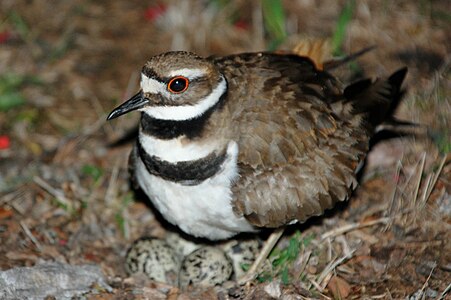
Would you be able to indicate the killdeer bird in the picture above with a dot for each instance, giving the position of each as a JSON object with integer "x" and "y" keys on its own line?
{"x": 232, "y": 144}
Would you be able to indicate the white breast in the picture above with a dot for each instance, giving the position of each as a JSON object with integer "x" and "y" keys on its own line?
{"x": 202, "y": 210}
{"x": 174, "y": 150}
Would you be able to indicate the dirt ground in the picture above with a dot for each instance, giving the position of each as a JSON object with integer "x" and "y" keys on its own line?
{"x": 64, "y": 189}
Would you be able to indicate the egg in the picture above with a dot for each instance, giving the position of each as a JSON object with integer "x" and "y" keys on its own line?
{"x": 182, "y": 245}
{"x": 242, "y": 253}
{"x": 155, "y": 258}
{"x": 206, "y": 266}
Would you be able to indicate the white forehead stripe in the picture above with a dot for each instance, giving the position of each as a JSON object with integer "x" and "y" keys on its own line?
{"x": 188, "y": 73}
{"x": 150, "y": 85}
{"x": 186, "y": 112}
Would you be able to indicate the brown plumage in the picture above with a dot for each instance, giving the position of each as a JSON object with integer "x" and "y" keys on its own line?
{"x": 301, "y": 139}
{"x": 301, "y": 136}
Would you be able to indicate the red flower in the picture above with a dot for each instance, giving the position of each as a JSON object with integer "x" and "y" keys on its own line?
{"x": 153, "y": 12}
{"x": 4, "y": 36}
{"x": 4, "y": 142}
{"x": 241, "y": 24}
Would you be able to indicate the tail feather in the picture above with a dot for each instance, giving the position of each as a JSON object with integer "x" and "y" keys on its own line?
{"x": 396, "y": 80}
{"x": 376, "y": 100}
{"x": 340, "y": 61}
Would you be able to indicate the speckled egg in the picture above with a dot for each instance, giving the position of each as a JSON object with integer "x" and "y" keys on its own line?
{"x": 182, "y": 245}
{"x": 207, "y": 266}
{"x": 155, "y": 258}
{"x": 241, "y": 252}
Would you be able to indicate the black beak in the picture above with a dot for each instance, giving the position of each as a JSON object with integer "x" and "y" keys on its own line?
{"x": 135, "y": 102}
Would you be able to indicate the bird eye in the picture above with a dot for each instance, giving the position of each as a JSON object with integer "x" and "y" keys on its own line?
{"x": 178, "y": 84}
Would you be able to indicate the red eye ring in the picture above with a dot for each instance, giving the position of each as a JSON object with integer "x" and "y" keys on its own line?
{"x": 178, "y": 84}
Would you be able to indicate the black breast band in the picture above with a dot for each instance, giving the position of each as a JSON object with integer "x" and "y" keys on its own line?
{"x": 191, "y": 172}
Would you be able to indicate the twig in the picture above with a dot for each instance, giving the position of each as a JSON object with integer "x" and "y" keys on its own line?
{"x": 344, "y": 244}
{"x": 333, "y": 264}
{"x": 445, "y": 292}
{"x": 264, "y": 252}
{"x": 427, "y": 279}
{"x": 31, "y": 236}
{"x": 410, "y": 177}
{"x": 425, "y": 191}
{"x": 434, "y": 181}
{"x": 381, "y": 296}
{"x": 329, "y": 249}
{"x": 52, "y": 191}
{"x": 316, "y": 285}
{"x": 353, "y": 226}
{"x": 302, "y": 262}
{"x": 326, "y": 279}
{"x": 12, "y": 197}
{"x": 390, "y": 297}
{"x": 417, "y": 188}
{"x": 391, "y": 208}
{"x": 8, "y": 197}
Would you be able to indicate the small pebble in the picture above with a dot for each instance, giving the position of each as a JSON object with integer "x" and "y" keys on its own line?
{"x": 207, "y": 266}
{"x": 155, "y": 258}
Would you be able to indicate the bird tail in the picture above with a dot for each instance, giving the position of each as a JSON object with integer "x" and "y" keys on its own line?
{"x": 377, "y": 100}
{"x": 319, "y": 51}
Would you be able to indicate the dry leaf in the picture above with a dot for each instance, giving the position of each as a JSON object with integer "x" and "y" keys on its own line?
{"x": 339, "y": 287}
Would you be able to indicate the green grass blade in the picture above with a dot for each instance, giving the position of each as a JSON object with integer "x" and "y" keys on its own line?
{"x": 274, "y": 20}
{"x": 342, "y": 23}
{"x": 19, "y": 24}
{"x": 10, "y": 100}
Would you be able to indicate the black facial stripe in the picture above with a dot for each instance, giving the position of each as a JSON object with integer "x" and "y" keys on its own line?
{"x": 197, "y": 79}
{"x": 168, "y": 102}
{"x": 150, "y": 73}
{"x": 191, "y": 172}
{"x": 170, "y": 129}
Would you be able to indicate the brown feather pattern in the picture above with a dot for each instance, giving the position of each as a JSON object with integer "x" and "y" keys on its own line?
{"x": 301, "y": 135}
{"x": 300, "y": 139}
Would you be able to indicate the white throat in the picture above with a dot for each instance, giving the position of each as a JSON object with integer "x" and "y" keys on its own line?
{"x": 186, "y": 112}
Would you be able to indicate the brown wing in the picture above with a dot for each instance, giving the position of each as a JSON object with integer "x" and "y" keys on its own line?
{"x": 298, "y": 170}
{"x": 300, "y": 143}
